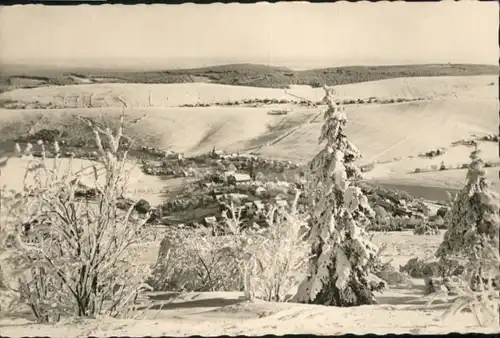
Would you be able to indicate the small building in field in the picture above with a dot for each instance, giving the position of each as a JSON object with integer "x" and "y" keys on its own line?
{"x": 170, "y": 155}
{"x": 211, "y": 220}
{"x": 217, "y": 154}
{"x": 239, "y": 179}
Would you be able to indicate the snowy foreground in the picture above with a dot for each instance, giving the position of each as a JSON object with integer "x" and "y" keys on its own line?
{"x": 225, "y": 313}
{"x": 401, "y": 310}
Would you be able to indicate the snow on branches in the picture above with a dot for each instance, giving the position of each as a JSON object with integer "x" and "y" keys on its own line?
{"x": 339, "y": 272}
{"x": 473, "y": 221}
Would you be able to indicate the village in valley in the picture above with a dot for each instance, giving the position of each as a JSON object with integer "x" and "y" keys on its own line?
{"x": 219, "y": 180}
{"x": 252, "y": 186}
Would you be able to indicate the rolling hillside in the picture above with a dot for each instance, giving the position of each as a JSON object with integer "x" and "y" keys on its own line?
{"x": 433, "y": 185}
{"x": 455, "y": 108}
{"x": 382, "y": 131}
{"x": 190, "y": 130}
{"x": 236, "y": 74}
{"x": 173, "y": 95}
{"x": 385, "y": 132}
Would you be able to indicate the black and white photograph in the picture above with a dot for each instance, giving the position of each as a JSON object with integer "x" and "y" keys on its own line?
{"x": 249, "y": 169}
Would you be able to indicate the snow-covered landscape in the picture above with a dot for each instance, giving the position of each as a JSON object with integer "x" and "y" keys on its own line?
{"x": 249, "y": 199}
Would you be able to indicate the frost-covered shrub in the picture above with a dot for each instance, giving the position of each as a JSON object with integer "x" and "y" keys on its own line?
{"x": 425, "y": 228}
{"x": 270, "y": 264}
{"x": 433, "y": 285}
{"x": 264, "y": 266}
{"x": 473, "y": 220}
{"x": 79, "y": 258}
{"x": 46, "y": 135}
{"x": 418, "y": 268}
{"x": 442, "y": 211}
{"x": 472, "y": 244}
{"x": 275, "y": 189}
{"x": 195, "y": 261}
{"x": 437, "y": 221}
{"x": 477, "y": 288}
{"x": 273, "y": 268}
{"x": 342, "y": 253}
{"x": 393, "y": 277}
{"x": 386, "y": 272}
{"x": 382, "y": 220}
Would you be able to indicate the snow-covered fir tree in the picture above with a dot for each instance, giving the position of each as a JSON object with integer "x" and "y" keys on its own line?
{"x": 342, "y": 252}
{"x": 473, "y": 221}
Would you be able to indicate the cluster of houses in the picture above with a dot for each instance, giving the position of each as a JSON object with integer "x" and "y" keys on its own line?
{"x": 251, "y": 212}
{"x": 238, "y": 192}
{"x": 490, "y": 138}
{"x": 252, "y": 103}
{"x": 402, "y": 208}
{"x": 473, "y": 142}
{"x": 251, "y": 209}
{"x": 228, "y": 179}
{"x": 248, "y": 161}
{"x": 463, "y": 142}
{"x": 434, "y": 153}
{"x": 160, "y": 170}
{"x": 170, "y": 163}
{"x": 164, "y": 154}
{"x": 237, "y": 156}
{"x": 393, "y": 210}
{"x": 278, "y": 112}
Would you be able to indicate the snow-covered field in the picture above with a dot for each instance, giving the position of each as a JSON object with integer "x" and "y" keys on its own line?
{"x": 400, "y": 310}
{"x": 214, "y": 314}
{"x": 171, "y": 95}
{"x": 385, "y": 132}
{"x": 151, "y": 188}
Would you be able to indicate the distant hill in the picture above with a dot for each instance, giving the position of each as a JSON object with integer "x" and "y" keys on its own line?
{"x": 252, "y": 75}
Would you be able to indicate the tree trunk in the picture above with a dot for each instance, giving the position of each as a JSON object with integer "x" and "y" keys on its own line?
{"x": 247, "y": 284}
{"x": 354, "y": 294}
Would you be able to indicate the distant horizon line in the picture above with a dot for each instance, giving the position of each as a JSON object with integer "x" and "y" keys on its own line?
{"x": 182, "y": 63}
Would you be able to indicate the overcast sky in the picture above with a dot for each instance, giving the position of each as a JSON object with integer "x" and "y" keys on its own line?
{"x": 292, "y": 33}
